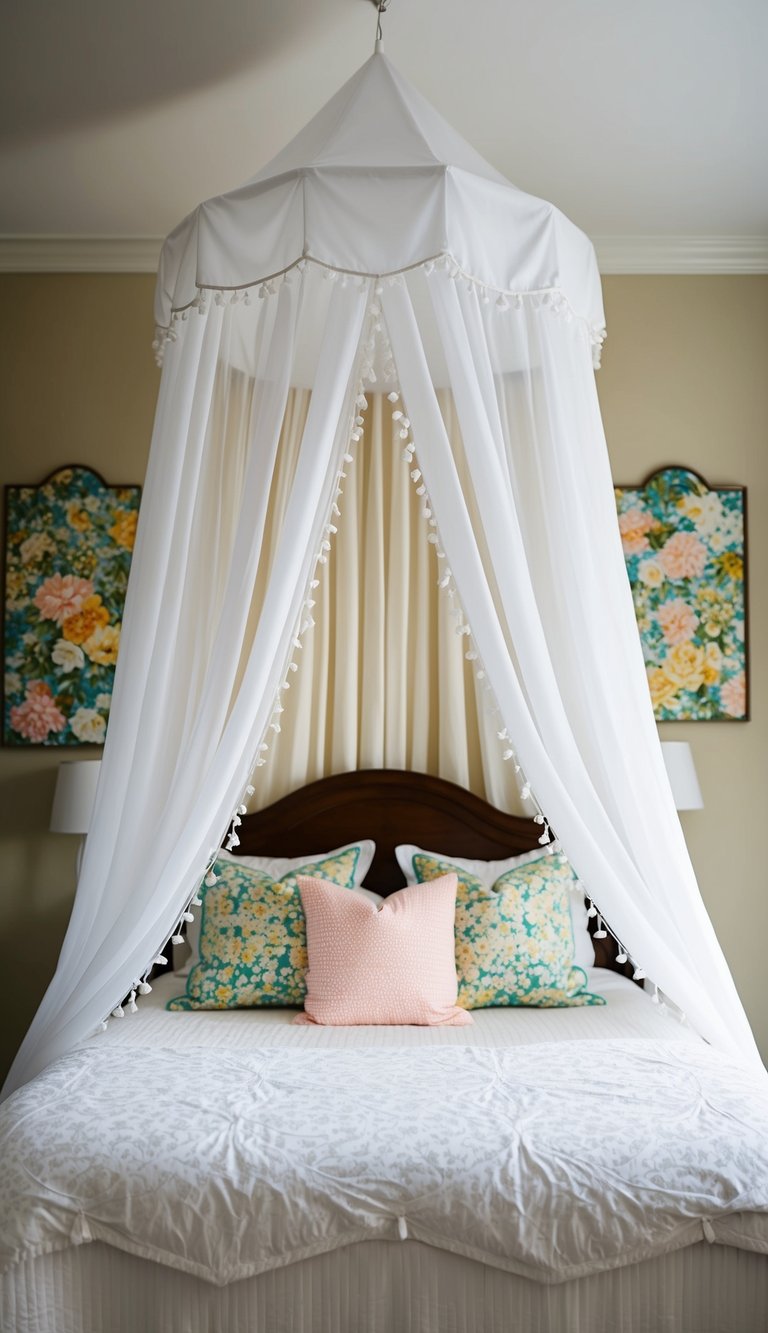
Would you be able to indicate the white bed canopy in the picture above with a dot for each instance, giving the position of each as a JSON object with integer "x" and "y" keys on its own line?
{"x": 377, "y": 255}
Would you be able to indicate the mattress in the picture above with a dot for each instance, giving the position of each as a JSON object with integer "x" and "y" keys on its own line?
{"x": 386, "y": 1285}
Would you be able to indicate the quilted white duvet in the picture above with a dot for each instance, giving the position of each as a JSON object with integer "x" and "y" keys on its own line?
{"x": 553, "y": 1160}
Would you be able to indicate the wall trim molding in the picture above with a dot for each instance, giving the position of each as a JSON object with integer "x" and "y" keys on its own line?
{"x": 79, "y": 254}
{"x": 682, "y": 254}
{"x": 616, "y": 254}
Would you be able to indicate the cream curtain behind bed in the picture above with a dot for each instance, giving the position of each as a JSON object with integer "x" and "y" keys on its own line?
{"x": 383, "y": 682}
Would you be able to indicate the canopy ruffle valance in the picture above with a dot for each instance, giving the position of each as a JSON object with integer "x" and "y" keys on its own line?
{"x": 493, "y": 411}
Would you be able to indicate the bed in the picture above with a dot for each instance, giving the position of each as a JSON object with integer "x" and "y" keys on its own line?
{"x": 238, "y": 1173}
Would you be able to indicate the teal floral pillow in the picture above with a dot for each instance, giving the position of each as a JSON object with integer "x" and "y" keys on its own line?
{"x": 253, "y": 938}
{"x": 514, "y": 943}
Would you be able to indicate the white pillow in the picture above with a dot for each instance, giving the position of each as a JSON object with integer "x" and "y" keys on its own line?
{"x": 489, "y": 871}
{"x": 277, "y": 867}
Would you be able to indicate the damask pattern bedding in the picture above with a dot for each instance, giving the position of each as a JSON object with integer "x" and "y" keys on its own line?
{"x": 549, "y": 1160}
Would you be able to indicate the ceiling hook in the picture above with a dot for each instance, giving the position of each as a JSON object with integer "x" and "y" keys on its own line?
{"x": 381, "y": 8}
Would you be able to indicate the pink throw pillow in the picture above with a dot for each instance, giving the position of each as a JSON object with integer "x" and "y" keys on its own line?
{"x": 389, "y": 964}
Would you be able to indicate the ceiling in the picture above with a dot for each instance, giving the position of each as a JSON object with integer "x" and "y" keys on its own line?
{"x": 647, "y": 119}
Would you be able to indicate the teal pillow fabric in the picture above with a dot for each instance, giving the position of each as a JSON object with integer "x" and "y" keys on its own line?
{"x": 514, "y": 943}
{"x": 253, "y": 938}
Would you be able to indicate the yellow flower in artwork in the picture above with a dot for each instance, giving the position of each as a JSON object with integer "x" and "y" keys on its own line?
{"x": 713, "y": 664}
{"x": 684, "y": 666}
{"x": 732, "y": 564}
{"x": 91, "y": 616}
{"x": 77, "y": 517}
{"x": 103, "y": 644}
{"x": 662, "y": 688}
{"x": 123, "y": 530}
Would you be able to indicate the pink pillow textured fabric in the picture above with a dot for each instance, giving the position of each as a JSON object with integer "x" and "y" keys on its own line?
{"x": 389, "y": 964}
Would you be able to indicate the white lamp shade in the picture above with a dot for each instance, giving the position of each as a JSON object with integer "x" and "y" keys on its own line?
{"x": 682, "y": 775}
{"x": 74, "y": 796}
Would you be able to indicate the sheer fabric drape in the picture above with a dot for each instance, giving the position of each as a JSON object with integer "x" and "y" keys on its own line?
{"x": 531, "y": 538}
{"x": 507, "y": 434}
{"x": 210, "y": 615}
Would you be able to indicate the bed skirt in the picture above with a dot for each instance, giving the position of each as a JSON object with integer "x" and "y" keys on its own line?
{"x": 386, "y": 1287}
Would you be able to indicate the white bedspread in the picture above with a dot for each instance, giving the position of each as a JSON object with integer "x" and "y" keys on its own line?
{"x": 550, "y": 1160}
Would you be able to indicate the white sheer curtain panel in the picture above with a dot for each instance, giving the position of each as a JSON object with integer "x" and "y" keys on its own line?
{"x": 531, "y": 543}
{"x": 211, "y": 613}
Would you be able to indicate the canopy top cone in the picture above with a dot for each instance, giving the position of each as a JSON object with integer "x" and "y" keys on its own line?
{"x": 375, "y": 184}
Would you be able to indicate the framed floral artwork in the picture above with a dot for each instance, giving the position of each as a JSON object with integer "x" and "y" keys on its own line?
{"x": 684, "y": 544}
{"x": 68, "y": 547}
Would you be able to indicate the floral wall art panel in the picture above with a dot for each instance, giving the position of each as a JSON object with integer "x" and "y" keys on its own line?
{"x": 684, "y": 544}
{"x": 68, "y": 546}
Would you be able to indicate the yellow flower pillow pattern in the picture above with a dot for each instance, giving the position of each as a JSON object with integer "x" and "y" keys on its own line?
{"x": 514, "y": 942}
{"x": 253, "y": 937}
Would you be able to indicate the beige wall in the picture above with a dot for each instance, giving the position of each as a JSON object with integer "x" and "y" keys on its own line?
{"x": 683, "y": 380}
{"x": 77, "y": 385}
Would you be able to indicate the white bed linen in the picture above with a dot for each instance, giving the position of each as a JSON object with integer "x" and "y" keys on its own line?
{"x": 553, "y": 1159}
{"x": 381, "y": 1286}
{"x": 627, "y": 1014}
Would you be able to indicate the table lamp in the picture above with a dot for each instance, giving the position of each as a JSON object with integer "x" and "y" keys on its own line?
{"x": 74, "y": 797}
{"x": 682, "y": 775}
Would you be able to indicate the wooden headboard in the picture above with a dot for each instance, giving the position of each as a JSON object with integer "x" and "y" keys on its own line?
{"x": 393, "y": 807}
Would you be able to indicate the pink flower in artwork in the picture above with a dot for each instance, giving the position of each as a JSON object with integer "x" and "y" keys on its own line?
{"x": 39, "y": 713}
{"x": 733, "y": 695}
{"x": 62, "y": 595}
{"x": 678, "y": 621}
{"x": 683, "y": 556}
{"x": 633, "y": 525}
